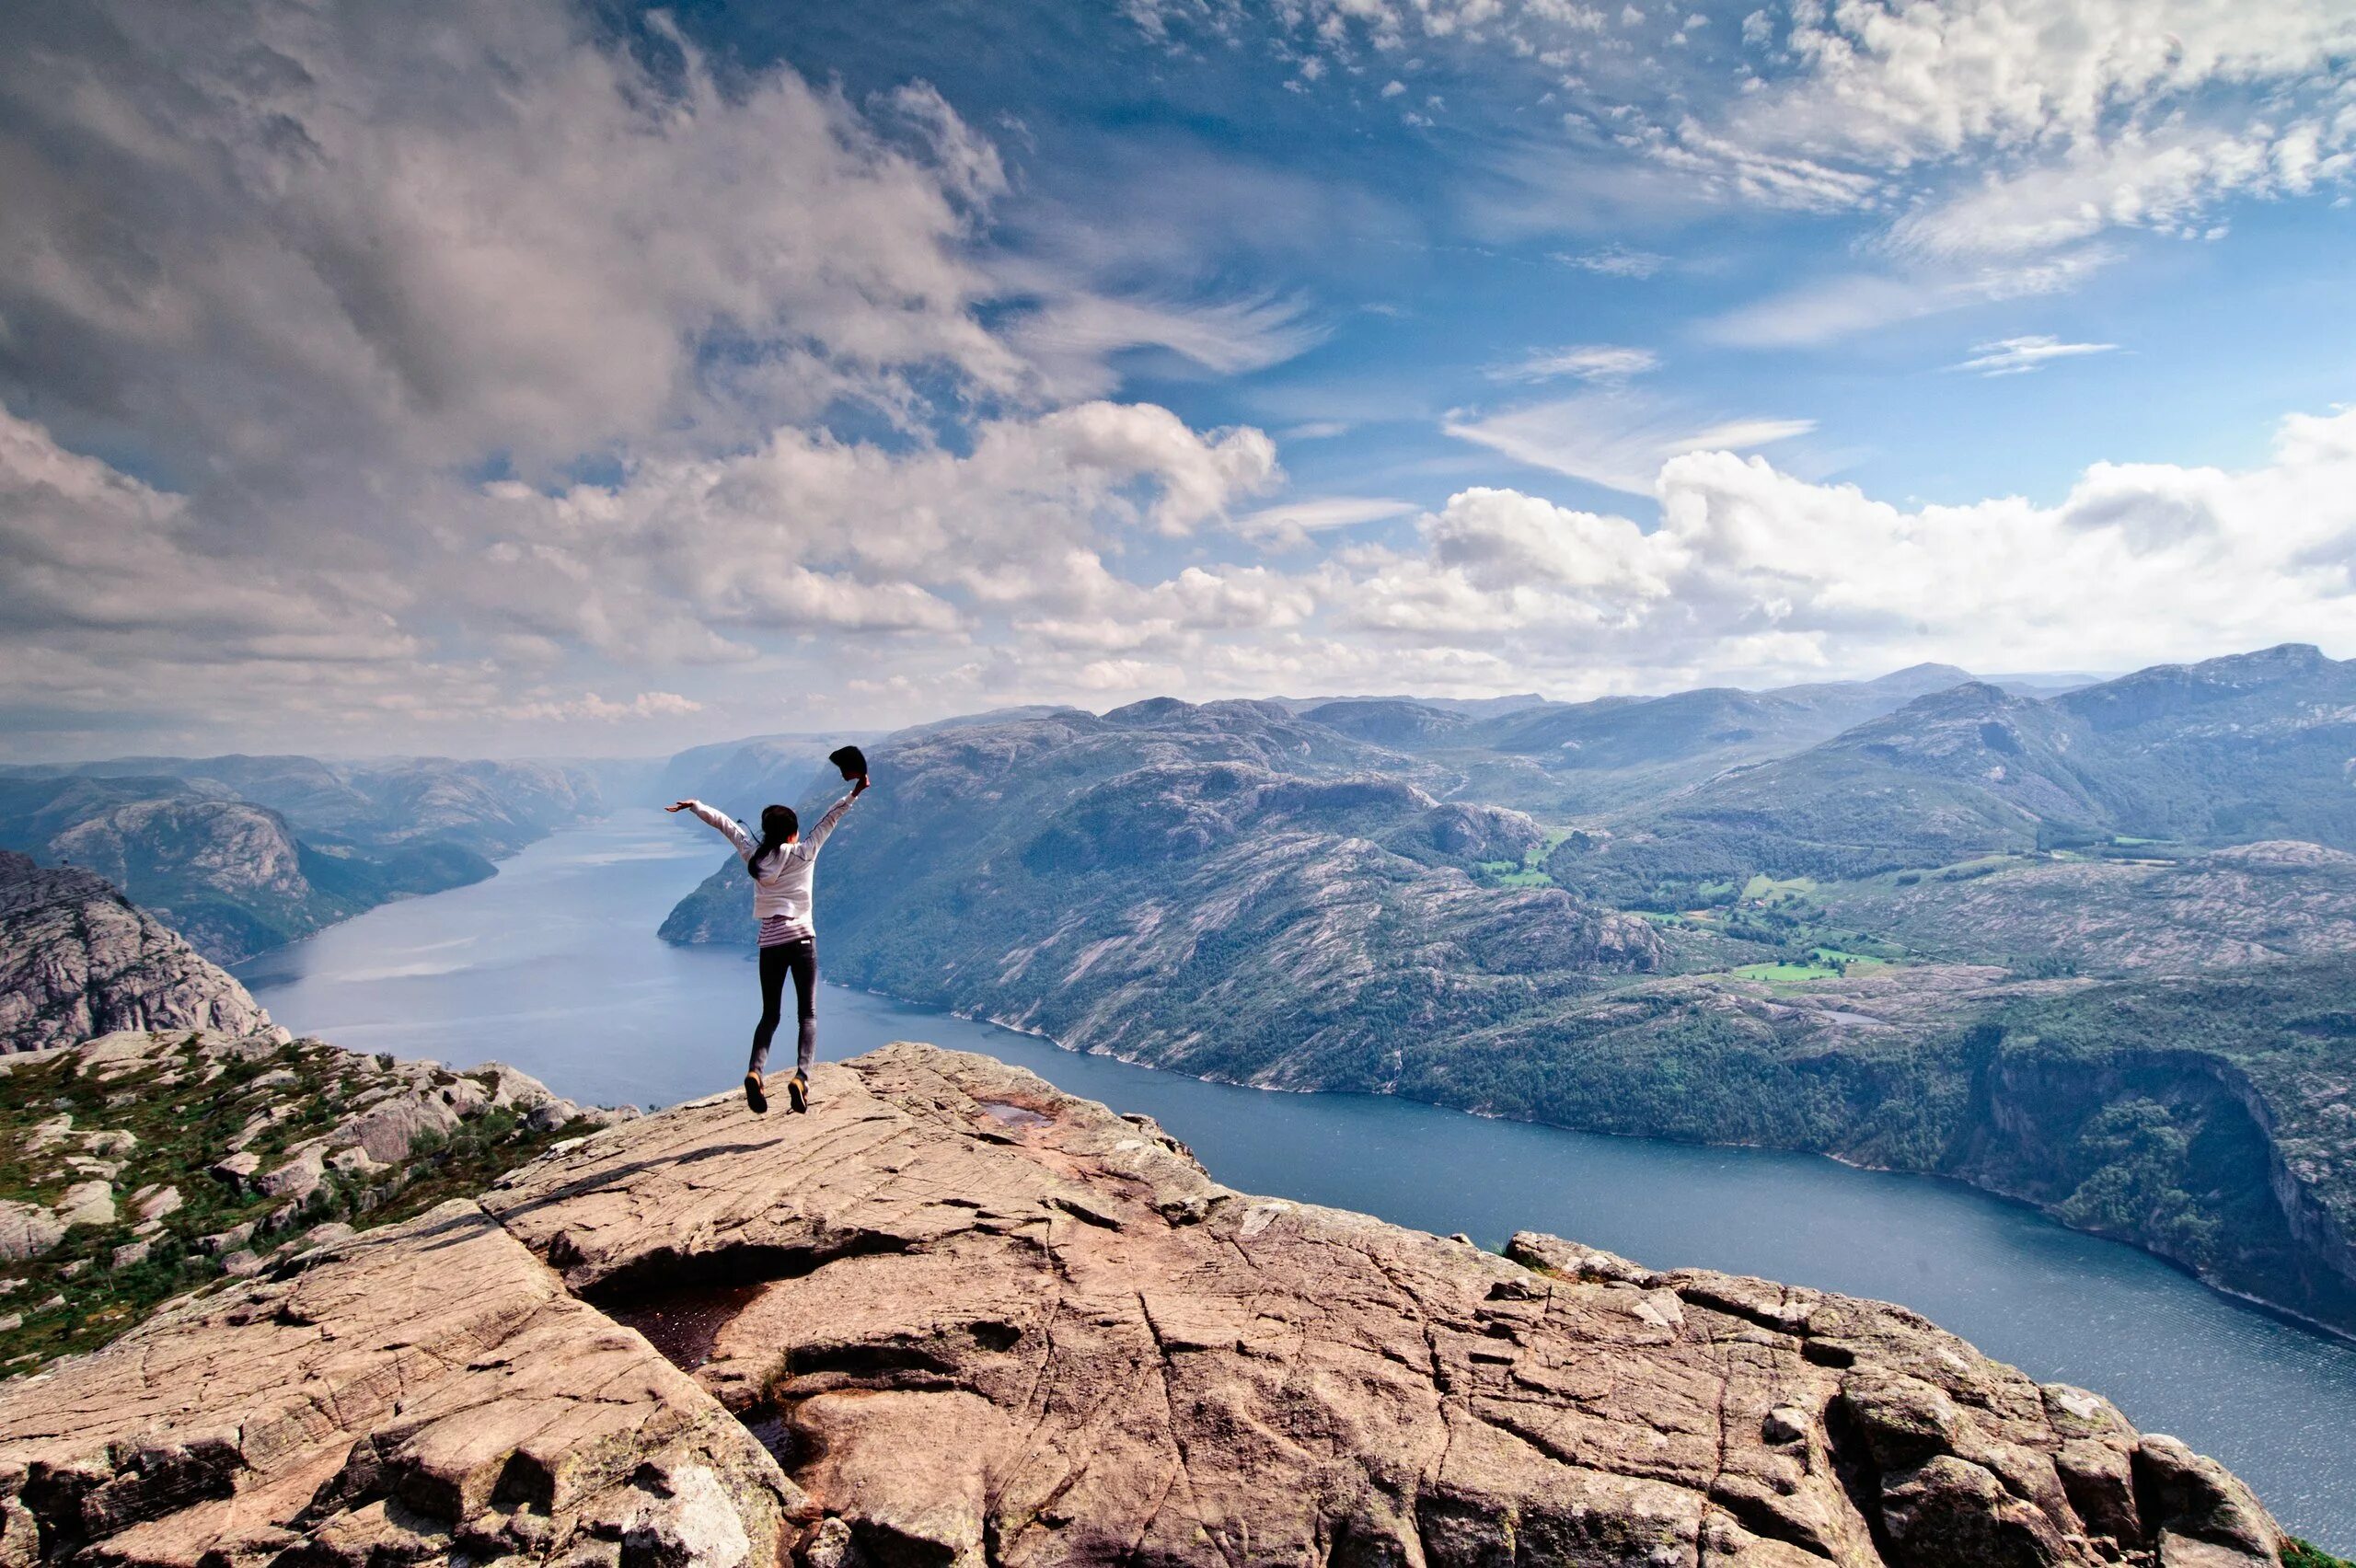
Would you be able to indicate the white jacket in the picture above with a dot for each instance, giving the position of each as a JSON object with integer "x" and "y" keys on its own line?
{"x": 781, "y": 883}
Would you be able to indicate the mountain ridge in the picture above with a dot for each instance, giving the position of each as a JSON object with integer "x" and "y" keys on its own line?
{"x": 1773, "y": 952}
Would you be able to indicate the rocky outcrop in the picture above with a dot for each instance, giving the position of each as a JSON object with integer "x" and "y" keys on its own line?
{"x": 432, "y": 1380}
{"x": 143, "y": 1164}
{"x": 962, "y": 1318}
{"x": 78, "y": 960}
{"x": 226, "y": 874}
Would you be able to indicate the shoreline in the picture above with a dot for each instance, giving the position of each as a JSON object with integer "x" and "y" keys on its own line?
{"x": 2274, "y": 1309}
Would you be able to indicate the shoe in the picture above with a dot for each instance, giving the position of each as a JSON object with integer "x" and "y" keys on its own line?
{"x": 754, "y": 1096}
{"x": 797, "y": 1092}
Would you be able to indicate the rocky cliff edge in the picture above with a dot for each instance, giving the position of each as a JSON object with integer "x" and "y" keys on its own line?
{"x": 955, "y": 1317}
{"x": 79, "y": 960}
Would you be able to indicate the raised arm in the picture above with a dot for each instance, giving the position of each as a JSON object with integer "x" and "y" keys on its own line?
{"x": 728, "y": 826}
{"x": 817, "y": 834}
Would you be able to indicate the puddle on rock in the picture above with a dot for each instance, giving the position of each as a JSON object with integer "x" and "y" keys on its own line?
{"x": 683, "y": 1324}
{"x": 1006, "y": 1114}
{"x": 767, "y": 1428}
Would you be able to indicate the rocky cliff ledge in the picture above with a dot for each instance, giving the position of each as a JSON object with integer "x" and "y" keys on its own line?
{"x": 955, "y": 1317}
{"x": 140, "y": 1165}
{"x": 79, "y": 960}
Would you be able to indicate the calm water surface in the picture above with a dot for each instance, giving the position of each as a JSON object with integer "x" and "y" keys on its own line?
{"x": 553, "y": 966}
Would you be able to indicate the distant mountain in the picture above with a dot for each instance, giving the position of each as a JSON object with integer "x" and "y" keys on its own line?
{"x": 242, "y": 854}
{"x": 2257, "y": 745}
{"x": 1218, "y": 877}
{"x": 492, "y": 808}
{"x": 1955, "y": 897}
{"x": 1391, "y": 722}
{"x": 78, "y": 960}
{"x": 2233, "y": 749}
{"x": 741, "y": 777}
{"x": 1461, "y": 707}
{"x": 1568, "y": 759}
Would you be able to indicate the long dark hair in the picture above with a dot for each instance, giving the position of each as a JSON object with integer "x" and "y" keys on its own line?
{"x": 777, "y": 825}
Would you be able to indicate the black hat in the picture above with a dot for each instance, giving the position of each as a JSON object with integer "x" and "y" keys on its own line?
{"x": 852, "y": 760}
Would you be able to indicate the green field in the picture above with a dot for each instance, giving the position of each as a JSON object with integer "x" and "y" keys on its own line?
{"x": 1821, "y": 964}
{"x": 1527, "y": 871}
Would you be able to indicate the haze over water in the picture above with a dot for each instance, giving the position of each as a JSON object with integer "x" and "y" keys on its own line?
{"x": 554, "y": 966}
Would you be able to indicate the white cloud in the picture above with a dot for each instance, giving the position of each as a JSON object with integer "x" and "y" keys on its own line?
{"x": 312, "y": 267}
{"x": 282, "y": 230}
{"x": 1841, "y": 306}
{"x": 2059, "y": 121}
{"x": 1616, "y": 439}
{"x": 1070, "y": 340}
{"x": 543, "y": 708}
{"x": 2166, "y": 179}
{"x": 1605, "y": 362}
{"x": 1293, "y": 522}
{"x": 1754, "y": 573}
{"x": 1614, "y": 261}
{"x": 807, "y": 534}
{"x": 2020, "y": 356}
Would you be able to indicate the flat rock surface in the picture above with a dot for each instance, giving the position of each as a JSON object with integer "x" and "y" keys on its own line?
{"x": 980, "y": 1321}
{"x": 422, "y": 1390}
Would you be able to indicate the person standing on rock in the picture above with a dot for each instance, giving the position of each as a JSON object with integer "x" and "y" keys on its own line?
{"x": 783, "y": 865}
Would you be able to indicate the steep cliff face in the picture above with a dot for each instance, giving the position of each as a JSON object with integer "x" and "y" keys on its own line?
{"x": 2207, "y": 1119}
{"x": 227, "y": 875}
{"x": 78, "y": 960}
{"x": 954, "y": 1317}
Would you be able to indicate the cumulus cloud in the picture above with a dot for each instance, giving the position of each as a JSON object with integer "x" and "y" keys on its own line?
{"x": 809, "y": 534}
{"x": 271, "y": 229}
{"x": 109, "y": 577}
{"x": 310, "y": 274}
{"x": 1754, "y": 572}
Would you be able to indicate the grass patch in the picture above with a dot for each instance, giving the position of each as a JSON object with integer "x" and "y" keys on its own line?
{"x": 1820, "y": 964}
{"x": 2297, "y": 1553}
{"x": 184, "y": 1115}
{"x": 1762, "y": 886}
{"x": 1527, "y": 871}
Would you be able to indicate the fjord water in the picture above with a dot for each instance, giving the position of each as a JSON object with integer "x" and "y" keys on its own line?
{"x": 553, "y": 966}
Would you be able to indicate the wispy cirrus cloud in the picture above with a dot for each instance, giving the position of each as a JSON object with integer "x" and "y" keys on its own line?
{"x": 1294, "y": 521}
{"x": 2022, "y": 356}
{"x": 1841, "y": 306}
{"x": 1614, "y": 261}
{"x": 1616, "y": 439}
{"x": 1608, "y": 364}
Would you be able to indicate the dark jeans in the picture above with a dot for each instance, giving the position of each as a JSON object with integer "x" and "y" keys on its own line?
{"x": 801, "y": 961}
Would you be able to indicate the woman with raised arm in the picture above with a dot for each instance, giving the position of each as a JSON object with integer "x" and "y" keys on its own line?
{"x": 782, "y": 864}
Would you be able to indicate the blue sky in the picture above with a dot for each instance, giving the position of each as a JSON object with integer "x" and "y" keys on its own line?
{"x": 593, "y": 378}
